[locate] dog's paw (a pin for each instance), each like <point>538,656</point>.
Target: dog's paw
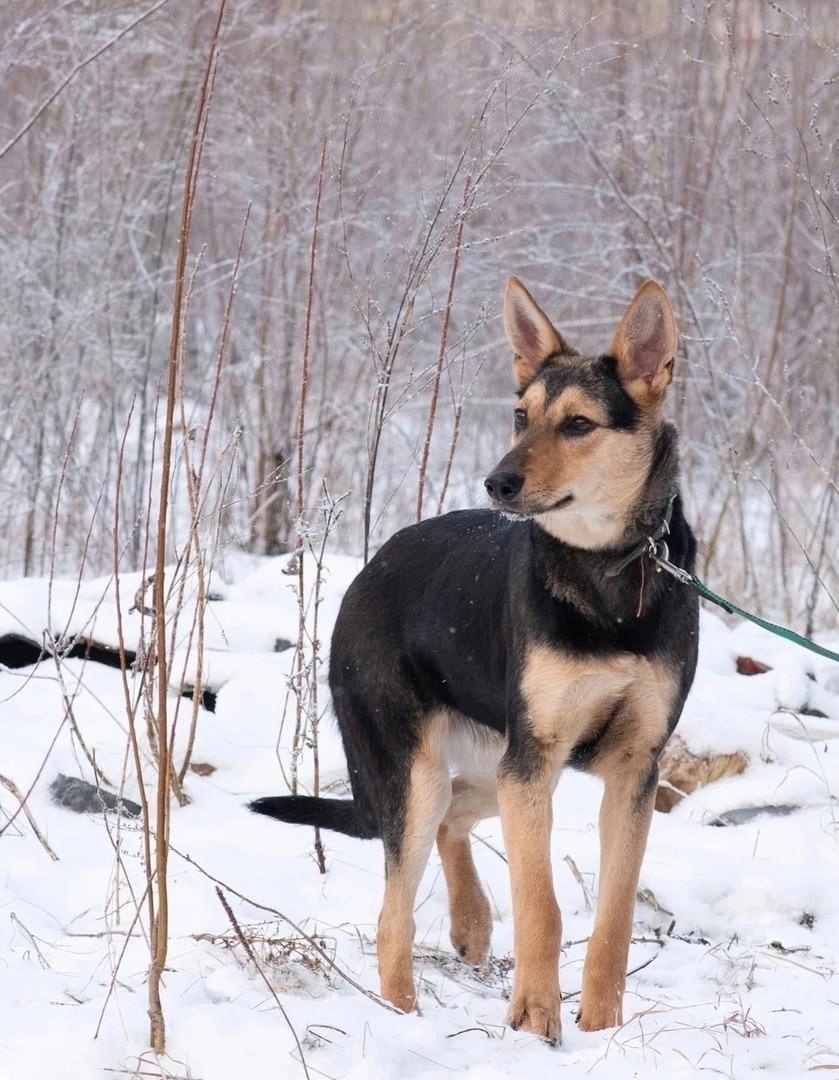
<point>595,1016</point>
<point>472,947</point>
<point>471,933</point>
<point>401,993</point>
<point>472,928</point>
<point>538,1014</point>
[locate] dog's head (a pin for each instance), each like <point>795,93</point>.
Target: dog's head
<point>584,427</point>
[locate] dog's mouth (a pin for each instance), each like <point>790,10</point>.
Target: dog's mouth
<point>558,505</point>
<point>521,511</point>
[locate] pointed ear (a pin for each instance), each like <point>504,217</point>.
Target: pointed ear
<point>645,344</point>
<point>529,331</point>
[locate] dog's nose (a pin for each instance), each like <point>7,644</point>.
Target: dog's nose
<point>503,486</point>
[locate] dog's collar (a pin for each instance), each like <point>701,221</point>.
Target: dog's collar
<point>649,542</point>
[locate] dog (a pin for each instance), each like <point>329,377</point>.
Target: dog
<point>479,653</point>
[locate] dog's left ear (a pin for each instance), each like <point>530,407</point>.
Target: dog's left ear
<point>645,344</point>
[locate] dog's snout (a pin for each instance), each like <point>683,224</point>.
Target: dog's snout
<point>503,486</point>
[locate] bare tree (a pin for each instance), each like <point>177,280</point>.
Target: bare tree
<point>691,143</point>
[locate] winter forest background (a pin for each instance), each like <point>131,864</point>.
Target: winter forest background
<point>252,258</point>
<point>582,149</point>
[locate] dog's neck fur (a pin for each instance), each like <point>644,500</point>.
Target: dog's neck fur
<point>579,576</point>
<point>661,486</point>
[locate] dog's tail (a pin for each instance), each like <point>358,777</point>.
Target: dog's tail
<point>340,815</point>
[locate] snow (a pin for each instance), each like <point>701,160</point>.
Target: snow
<point>737,946</point>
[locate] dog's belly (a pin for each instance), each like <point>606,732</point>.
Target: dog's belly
<point>472,752</point>
<point>471,749</point>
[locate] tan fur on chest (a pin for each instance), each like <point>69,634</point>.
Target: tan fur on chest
<point>569,698</point>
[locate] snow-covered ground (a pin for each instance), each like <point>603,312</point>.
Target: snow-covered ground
<point>736,946</point>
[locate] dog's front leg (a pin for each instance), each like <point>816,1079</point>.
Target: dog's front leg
<point>526,815</point>
<point>625,815</point>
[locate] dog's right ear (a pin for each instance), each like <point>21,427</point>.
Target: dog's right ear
<point>529,331</point>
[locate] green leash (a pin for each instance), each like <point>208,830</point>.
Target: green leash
<point>660,555</point>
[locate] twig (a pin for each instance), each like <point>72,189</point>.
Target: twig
<point>252,956</point>
<point>130,706</point>
<point>491,847</point>
<point>300,718</point>
<point>578,877</point>
<point>11,787</point>
<point>441,352</point>
<point>23,807</point>
<point>195,480</point>
<point>147,895</point>
<point>331,514</point>
<point>324,955</point>
<point>160,929</point>
<point>30,937</point>
<point>99,775</point>
<point>74,72</point>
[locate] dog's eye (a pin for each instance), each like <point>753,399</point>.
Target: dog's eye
<point>577,425</point>
<point>519,420</point>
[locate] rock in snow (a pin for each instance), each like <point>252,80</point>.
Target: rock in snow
<point>76,794</point>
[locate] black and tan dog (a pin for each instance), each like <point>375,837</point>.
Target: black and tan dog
<point>480,653</point>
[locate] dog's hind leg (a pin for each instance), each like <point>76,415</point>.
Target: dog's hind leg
<point>471,918</point>
<point>408,839</point>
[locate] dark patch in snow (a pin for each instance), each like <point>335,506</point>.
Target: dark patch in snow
<point>17,651</point>
<point>745,814</point>
<point>102,654</point>
<point>78,795</point>
<point>202,768</point>
<point>746,665</point>
<point>208,697</point>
